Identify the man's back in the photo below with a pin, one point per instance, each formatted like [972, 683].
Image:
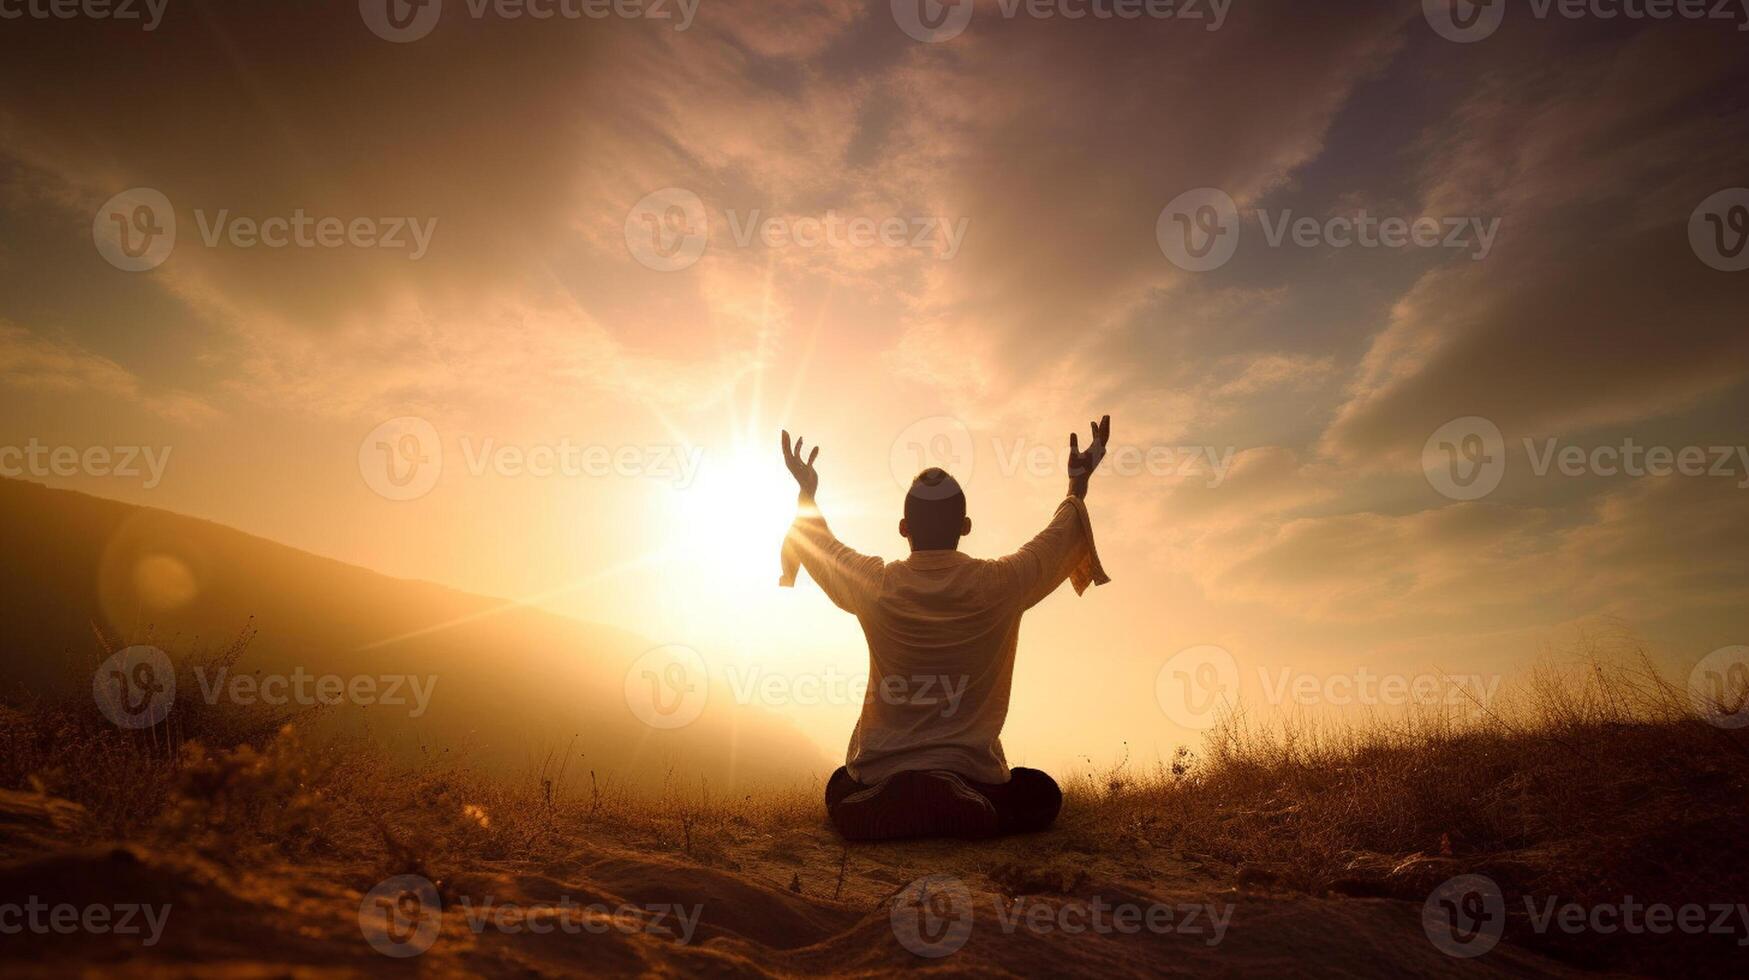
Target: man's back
[943, 630]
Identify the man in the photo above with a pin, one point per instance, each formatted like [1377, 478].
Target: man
[942, 627]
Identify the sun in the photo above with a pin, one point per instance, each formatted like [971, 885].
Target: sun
[728, 523]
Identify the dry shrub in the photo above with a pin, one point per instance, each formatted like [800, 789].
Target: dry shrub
[1588, 784]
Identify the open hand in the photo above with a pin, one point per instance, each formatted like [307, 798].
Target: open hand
[1082, 464]
[807, 478]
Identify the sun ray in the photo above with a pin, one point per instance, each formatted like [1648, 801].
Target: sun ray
[532, 601]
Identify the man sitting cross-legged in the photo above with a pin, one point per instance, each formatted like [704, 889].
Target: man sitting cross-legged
[942, 627]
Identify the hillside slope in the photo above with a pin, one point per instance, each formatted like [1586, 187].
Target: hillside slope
[506, 683]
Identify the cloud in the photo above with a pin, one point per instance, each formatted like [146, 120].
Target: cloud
[1593, 309]
[29, 362]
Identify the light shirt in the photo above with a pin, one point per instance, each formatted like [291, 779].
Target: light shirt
[942, 630]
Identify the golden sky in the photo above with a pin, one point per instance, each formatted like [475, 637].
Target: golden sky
[893, 246]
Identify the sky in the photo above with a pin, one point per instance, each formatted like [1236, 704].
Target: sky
[1405, 315]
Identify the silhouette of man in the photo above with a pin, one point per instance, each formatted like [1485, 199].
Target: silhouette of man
[942, 627]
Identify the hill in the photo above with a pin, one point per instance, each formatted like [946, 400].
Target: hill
[440, 670]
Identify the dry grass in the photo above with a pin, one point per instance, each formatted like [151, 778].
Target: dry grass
[241, 784]
[1587, 785]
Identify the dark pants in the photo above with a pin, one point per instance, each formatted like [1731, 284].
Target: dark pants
[1029, 801]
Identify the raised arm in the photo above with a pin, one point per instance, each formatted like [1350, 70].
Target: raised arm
[849, 579]
[1082, 464]
[1064, 549]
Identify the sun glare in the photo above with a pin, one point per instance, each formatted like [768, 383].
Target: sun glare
[729, 522]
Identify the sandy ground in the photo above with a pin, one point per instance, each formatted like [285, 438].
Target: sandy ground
[790, 903]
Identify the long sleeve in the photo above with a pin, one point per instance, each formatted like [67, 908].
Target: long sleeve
[1063, 550]
[851, 580]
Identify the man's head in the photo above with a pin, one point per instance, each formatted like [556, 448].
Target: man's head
[935, 512]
